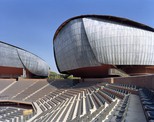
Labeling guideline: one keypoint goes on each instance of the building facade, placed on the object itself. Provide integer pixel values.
(89, 45)
(16, 62)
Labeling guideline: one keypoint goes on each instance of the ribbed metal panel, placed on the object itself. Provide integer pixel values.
(90, 41)
(72, 47)
(33, 63)
(11, 56)
(119, 44)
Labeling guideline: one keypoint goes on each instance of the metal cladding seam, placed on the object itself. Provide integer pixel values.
(88, 41)
(12, 56)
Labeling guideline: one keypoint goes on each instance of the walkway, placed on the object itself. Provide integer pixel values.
(135, 112)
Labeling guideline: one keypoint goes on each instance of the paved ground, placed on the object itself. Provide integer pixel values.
(135, 112)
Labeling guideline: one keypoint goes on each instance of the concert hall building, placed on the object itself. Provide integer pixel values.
(89, 46)
(16, 62)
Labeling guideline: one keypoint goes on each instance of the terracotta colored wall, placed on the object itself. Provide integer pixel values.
(142, 81)
(91, 72)
(13, 72)
(10, 72)
(138, 69)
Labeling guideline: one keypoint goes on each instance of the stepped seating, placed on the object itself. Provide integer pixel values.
(127, 87)
(85, 101)
(78, 102)
(31, 89)
(116, 92)
(74, 95)
(55, 106)
(47, 89)
(147, 100)
(12, 114)
(105, 111)
(85, 84)
(4, 83)
(62, 83)
(120, 91)
(16, 88)
(119, 112)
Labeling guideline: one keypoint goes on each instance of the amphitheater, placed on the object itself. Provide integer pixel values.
(114, 86)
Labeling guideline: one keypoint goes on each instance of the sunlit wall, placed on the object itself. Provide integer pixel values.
(11, 56)
(91, 41)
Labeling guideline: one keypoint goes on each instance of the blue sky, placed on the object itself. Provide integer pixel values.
(31, 24)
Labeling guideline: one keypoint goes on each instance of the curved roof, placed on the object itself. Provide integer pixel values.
(20, 49)
(13, 56)
(107, 17)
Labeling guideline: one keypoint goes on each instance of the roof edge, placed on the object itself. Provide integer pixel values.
(107, 17)
(23, 50)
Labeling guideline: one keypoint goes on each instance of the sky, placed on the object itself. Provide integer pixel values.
(31, 24)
